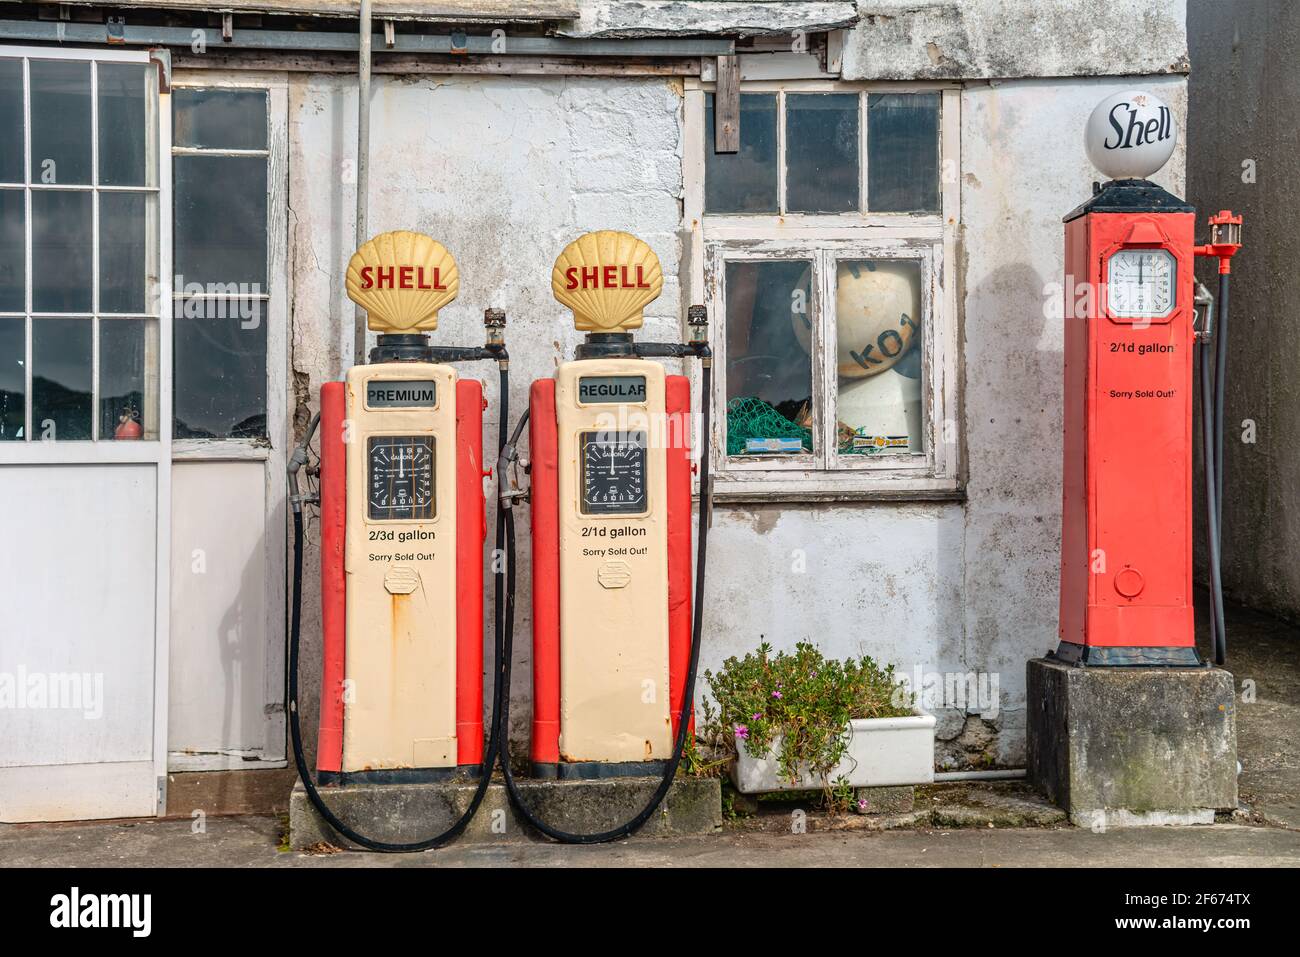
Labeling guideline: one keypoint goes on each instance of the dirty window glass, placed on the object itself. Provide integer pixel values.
(123, 259)
(769, 369)
(62, 251)
(11, 121)
(220, 229)
(13, 377)
(878, 327)
(903, 152)
(821, 147)
(219, 119)
(127, 140)
(220, 377)
(61, 378)
(60, 118)
(13, 258)
(746, 181)
(128, 396)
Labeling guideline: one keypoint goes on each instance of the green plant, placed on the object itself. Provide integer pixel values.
(799, 701)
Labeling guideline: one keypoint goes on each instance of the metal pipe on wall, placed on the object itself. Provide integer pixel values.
(363, 166)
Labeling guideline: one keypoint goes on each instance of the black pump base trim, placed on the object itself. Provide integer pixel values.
(1131, 656)
(594, 770)
(464, 772)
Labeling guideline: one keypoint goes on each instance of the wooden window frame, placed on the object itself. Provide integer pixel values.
(712, 240)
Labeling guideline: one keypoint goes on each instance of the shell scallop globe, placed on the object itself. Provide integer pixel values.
(607, 278)
(402, 279)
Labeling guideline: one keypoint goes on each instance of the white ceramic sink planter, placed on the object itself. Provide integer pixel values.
(881, 752)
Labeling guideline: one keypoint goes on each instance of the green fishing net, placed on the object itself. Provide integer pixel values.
(751, 418)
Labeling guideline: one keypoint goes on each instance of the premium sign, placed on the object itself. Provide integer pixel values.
(607, 278)
(401, 393)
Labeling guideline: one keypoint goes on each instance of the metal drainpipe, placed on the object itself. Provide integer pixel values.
(363, 167)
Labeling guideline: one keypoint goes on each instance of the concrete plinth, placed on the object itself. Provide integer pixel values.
(402, 813)
(1131, 746)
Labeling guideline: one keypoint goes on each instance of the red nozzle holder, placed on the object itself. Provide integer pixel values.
(1225, 239)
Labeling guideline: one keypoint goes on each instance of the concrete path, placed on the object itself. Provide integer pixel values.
(251, 842)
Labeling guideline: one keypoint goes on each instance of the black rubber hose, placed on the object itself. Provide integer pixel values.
(688, 695)
(1211, 505)
(493, 742)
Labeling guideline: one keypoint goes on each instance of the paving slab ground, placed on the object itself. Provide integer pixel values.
(1003, 824)
(252, 842)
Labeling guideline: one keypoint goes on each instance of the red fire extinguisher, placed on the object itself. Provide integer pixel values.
(128, 425)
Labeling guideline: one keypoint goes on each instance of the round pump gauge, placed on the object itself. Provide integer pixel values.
(613, 473)
(1140, 283)
(400, 477)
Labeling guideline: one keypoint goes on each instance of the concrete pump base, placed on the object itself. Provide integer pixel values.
(1125, 747)
(403, 813)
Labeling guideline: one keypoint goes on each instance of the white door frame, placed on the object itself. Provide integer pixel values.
(272, 454)
(156, 453)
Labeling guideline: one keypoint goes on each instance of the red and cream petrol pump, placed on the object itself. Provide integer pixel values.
(615, 638)
(1126, 542)
(402, 535)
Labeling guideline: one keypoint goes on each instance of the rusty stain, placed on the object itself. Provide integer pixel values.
(649, 750)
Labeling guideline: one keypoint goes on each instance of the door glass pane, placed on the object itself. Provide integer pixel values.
(220, 373)
(769, 370)
(13, 261)
(11, 121)
(61, 378)
(124, 131)
(821, 146)
(122, 261)
(128, 387)
(60, 121)
(219, 119)
(878, 331)
(13, 378)
(220, 224)
(62, 251)
(743, 182)
(903, 152)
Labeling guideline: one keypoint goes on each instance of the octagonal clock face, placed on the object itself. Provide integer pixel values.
(400, 477)
(613, 473)
(1140, 283)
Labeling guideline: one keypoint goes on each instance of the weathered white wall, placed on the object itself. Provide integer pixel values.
(507, 170)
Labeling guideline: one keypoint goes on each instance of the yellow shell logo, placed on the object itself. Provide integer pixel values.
(607, 278)
(401, 279)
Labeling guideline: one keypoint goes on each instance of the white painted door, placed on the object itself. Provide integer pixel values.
(85, 433)
(230, 431)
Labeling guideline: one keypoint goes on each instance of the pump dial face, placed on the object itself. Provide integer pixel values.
(613, 473)
(400, 477)
(1140, 283)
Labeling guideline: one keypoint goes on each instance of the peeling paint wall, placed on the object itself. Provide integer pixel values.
(506, 170)
(1245, 96)
(986, 39)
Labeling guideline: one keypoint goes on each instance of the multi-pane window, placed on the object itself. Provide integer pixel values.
(825, 239)
(79, 231)
(806, 153)
(220, 184)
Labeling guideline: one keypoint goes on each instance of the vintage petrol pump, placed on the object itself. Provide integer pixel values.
(615, 643)
(1126, 543)
(402, 536)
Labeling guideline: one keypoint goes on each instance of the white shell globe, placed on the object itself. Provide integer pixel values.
(878, 310)
(1130, 135)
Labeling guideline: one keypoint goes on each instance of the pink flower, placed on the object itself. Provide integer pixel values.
(756, 716)
(776, 694)
(862, 804)
(742, 732)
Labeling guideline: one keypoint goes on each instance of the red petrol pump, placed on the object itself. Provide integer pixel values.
(402, 537)
(1130, 334)
(615, 637)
